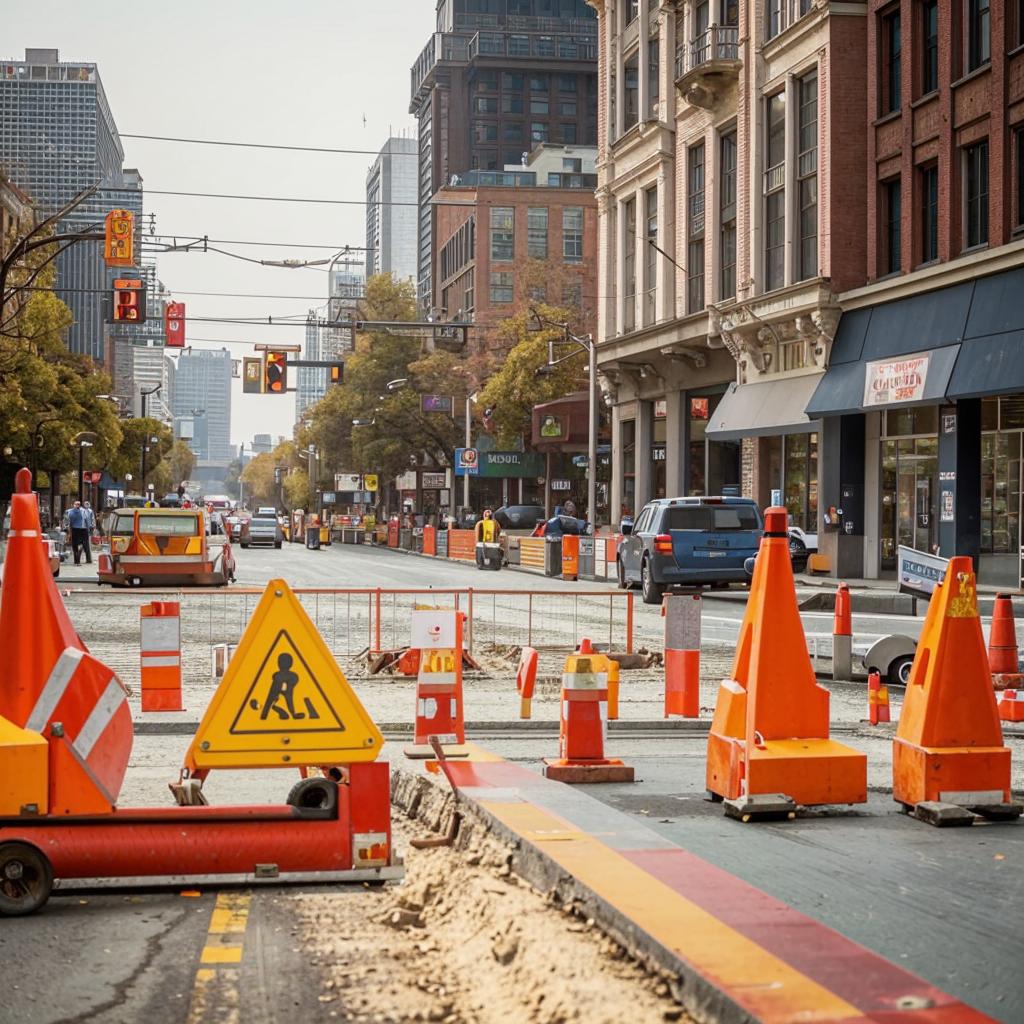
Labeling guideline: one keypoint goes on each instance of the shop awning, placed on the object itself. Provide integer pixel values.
(765, 409)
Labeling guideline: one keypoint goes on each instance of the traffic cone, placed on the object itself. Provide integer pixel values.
(439, 709)
(1011, 705)
(949, 747)
(1002, 646)
(878, 700)
(526, 678)
(50, 683)
(770, 732)
(842, 635)
(584, 721)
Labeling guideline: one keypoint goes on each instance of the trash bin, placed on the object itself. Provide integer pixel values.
(313, 540)
(552, 556)
(587, 558)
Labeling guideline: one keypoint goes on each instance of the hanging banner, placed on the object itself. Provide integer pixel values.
(887, 382)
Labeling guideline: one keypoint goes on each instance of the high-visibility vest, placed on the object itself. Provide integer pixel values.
(488, 530)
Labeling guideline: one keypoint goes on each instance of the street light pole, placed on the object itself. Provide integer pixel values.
(145, 395)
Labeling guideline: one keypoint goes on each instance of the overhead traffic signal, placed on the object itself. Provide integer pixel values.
(174, 325)
(336, 374)
(129, 305)
(275, 373)
(119, 239)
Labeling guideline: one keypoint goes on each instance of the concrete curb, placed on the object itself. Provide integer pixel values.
(429, 802)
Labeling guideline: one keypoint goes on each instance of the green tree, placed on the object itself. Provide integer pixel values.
(181, 461)
(297, 492)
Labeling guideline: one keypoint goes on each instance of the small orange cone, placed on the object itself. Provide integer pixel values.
(526, 677)
(878, 700)
(949, 747)
(584, 721)
(770, 732)
(1002, 645)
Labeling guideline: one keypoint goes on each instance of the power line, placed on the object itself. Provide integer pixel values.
(281, 245)
(250, 145)
(322, 299)
(285, 199)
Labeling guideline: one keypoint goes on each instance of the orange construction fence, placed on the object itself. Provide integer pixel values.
(462, 545)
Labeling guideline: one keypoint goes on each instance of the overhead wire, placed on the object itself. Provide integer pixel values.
(250, 145)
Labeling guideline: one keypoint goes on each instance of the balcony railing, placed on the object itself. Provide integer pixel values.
(543, 46)
(717, 42)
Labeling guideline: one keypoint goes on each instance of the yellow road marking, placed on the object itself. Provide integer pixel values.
(215, 992)
(221, 955)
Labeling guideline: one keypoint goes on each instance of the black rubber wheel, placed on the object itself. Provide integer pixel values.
(314, 794)
(651, 591)
(899, 671)
(26, 879)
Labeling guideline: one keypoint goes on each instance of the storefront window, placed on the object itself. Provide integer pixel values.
(629, 467)
(714, 466)
(659, 433)
(909, 493)
(907, 422)
(801, 480)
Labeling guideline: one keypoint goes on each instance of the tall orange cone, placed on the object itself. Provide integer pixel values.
(1002, 645)
(49, 677)
(770, 733)
(948, 751)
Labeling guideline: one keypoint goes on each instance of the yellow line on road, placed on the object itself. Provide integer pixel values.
(215, 993)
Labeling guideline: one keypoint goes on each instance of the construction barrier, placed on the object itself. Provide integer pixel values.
(878, 700)
(441, 544)
(531, 552)
(437, 637)
(160, 655)
(462, 545)
(1011, 705)
(583, 722)
(769, 747)
(682, 613)
(570, 557)
(430, 540)
(842, 635)
(949, 761)
(1003, 657)
(526, 678)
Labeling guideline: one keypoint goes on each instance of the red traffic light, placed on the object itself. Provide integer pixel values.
(174, 325)
(129, 304)
(275, 373)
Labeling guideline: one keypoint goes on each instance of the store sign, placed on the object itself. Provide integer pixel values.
(472, 462)
(467, 462)
(330, 497)
(918, 571)
(561, 485)
(657, 453)
(348, 482)
(433, 481)
(551, 426)
(893, 381)
(436, 403)
(660, 408)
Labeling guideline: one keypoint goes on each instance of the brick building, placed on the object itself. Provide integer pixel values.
(527, 233)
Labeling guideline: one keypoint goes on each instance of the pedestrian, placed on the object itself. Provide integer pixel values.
(90, 528)
(78, 525)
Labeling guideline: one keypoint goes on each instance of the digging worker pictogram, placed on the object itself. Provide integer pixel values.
(282, 687)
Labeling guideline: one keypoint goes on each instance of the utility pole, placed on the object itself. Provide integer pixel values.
(145, 436)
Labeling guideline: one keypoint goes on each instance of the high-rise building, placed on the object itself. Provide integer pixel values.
(202, 399)
(347, 285)
(58, 137)
(262, 444)
(310, 381)
(489, 86)
(391, 190)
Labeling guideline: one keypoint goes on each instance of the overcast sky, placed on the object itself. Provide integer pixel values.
(331, 73)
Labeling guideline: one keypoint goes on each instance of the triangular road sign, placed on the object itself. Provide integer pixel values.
(283, 701)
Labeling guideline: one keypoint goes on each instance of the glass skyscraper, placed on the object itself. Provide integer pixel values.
(202, 395)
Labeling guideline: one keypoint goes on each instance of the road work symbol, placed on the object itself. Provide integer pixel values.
(283, 699)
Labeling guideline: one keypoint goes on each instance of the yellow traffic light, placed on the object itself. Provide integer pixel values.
(275, 373)
(119, 239)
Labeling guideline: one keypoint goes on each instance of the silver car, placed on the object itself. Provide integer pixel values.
(262, 530)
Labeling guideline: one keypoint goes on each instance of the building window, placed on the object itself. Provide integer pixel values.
(501, 286)
(485, 133)
(775, 194)
(629, 265)
(929, 213)
(632, 11)
(512, 131)
(567, 108)
(976, 194)
(512, 81)
(807, 175)
(631, 113)
(538, 132)
(537, 232)
(572, 234)
(1018, 28)
(695, 229)
(486, 104)
(572, 295)
(566, 83)
(891, 54)
(511, 103)
(653, 77)
(1018, 140)
(651, 257)
(539, 83)
(774, 26)
(929, 46)
(540, 105)
(891, 208)
(727, 216)
(569, 134)
(502, 233)
(977, 33)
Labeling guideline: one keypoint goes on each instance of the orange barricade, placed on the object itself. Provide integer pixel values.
(526, 677)
(1011, 705)
(570, 557)
(160, 655)
(437, 635)
(531, 552)
(770, 732)
(949, 742)
(462, 545)
(878, 700)
(430, 540)
(682, 613)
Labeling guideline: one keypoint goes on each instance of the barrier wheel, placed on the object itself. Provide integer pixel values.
(314, 794)
(26, 879)
(135, 581)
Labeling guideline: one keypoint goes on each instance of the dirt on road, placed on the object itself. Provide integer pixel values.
(462, 940)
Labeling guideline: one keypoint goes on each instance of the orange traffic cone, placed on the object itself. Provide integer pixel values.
(584, 721)
(51, 684)
(878, 700)
(1011, 705)
(948, 752)
(526, 677)
(439, 695)
(1002, 645)
(769, 745)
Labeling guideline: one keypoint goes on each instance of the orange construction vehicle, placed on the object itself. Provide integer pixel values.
(164, 546)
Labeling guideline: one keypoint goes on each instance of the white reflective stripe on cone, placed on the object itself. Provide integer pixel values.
(160, 660)
(584, 680)
(23, 533)
(160, 634)
(99, 718)
(60, 675)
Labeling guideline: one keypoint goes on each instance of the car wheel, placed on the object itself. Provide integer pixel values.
(899, 671)
(26, 879)
(797, 554)
(620, 572)
(651, 590)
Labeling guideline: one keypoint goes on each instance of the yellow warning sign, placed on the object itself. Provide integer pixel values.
(283, 701)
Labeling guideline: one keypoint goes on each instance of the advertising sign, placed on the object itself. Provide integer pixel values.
(433, 481)
(889, 381)
(467, 462)
(370, 481)
(917, 572)
(348, 481)
(436, 403)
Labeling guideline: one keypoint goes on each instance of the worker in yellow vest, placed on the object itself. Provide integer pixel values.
(488, 552)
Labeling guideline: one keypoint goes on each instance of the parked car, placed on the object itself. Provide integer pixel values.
(261, 529)
(233, 523)
(689, 542)
(801, 546)
(519, 517)
(171, 500)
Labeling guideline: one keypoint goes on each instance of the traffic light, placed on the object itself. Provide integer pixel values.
(337, 373)
(174, 325)
(119, 239)
(129, 301)
(275, 373)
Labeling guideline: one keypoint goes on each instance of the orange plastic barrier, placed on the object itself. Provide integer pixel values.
(160, 655)
(1011, 706)
(526, 677)
(949, 743)
(462, 545)
(878, 700)
(439, 680)
(770, 732)
(570, 557)
(531, 552)
(583, 721)
(682, 614)
(430, 540)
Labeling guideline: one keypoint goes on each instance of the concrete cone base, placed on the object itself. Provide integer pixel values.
(609, 770)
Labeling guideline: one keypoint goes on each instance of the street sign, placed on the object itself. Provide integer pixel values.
(370, 481)
(283, 701)
(436, 403)
(467, 462)
(252, 376)
(918, 572)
